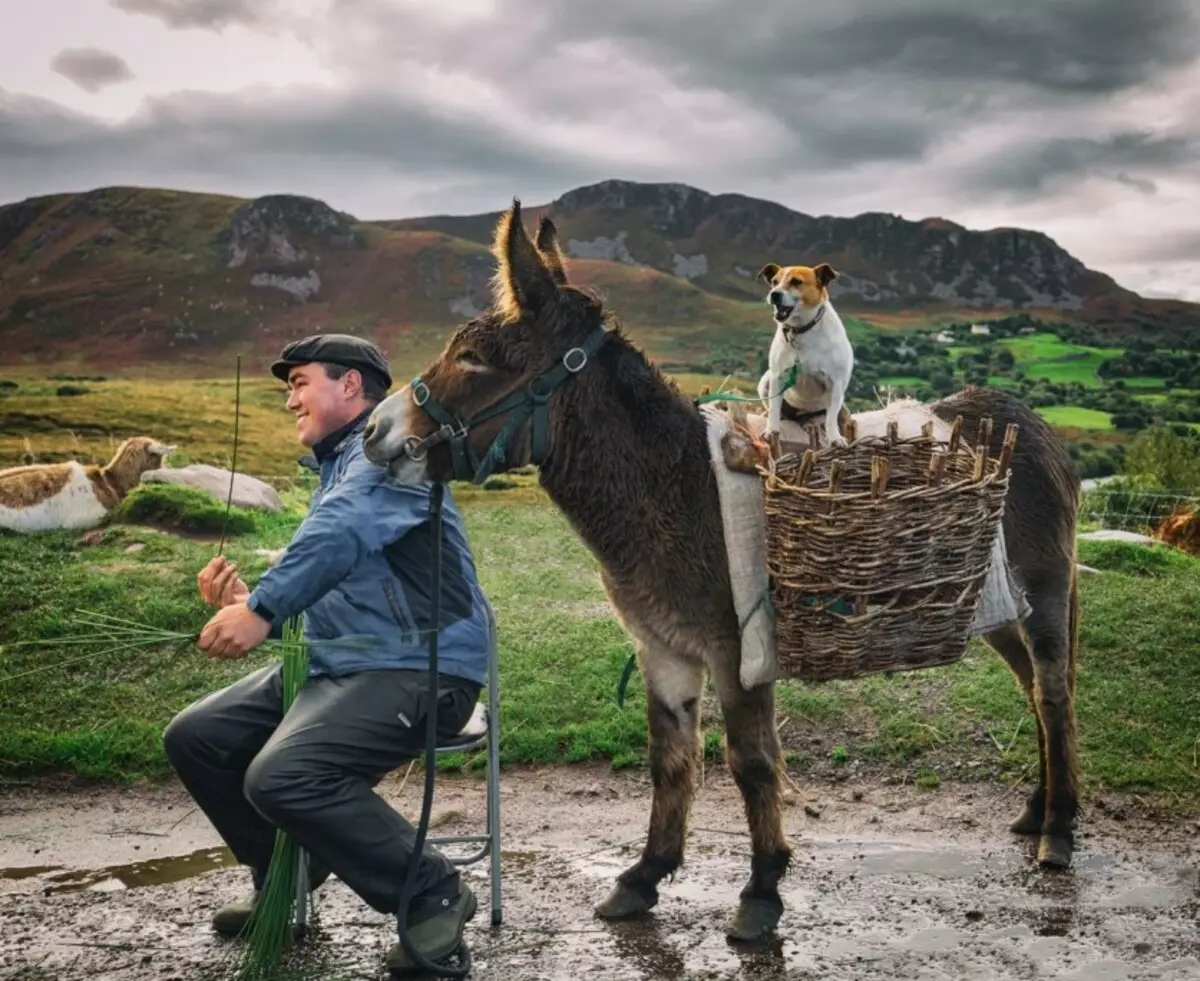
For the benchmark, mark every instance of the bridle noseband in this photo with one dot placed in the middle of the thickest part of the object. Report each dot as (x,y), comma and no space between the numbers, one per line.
(533,401)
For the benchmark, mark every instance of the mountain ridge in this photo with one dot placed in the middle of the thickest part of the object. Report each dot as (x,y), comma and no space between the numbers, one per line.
(121,276)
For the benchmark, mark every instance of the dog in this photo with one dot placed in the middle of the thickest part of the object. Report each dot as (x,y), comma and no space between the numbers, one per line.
(811,336)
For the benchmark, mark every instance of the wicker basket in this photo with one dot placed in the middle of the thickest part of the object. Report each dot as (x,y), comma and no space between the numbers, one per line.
(878,550)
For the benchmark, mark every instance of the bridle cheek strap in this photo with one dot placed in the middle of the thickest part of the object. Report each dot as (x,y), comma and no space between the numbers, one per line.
(531,401)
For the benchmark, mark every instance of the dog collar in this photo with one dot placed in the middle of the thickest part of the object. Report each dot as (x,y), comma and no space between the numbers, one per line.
(790,332)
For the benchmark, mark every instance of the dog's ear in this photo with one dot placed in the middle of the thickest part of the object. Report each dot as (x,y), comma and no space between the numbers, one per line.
(825,274)
(767,272)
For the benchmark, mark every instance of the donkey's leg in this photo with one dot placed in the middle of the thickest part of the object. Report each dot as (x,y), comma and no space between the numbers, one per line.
(673,686)
(1009,642)
(755,759)
(1052,627)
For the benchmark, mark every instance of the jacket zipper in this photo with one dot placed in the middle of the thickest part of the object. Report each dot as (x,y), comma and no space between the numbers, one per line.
(402,621)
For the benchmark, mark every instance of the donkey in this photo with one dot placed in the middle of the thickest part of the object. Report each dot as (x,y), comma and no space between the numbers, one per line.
(544,376)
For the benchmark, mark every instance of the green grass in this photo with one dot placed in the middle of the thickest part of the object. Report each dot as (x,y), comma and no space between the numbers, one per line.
(562,653)
(1047,357)
(1076,417)
(183,509)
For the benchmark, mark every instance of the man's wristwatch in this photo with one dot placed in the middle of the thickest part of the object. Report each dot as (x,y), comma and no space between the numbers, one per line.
(255,605)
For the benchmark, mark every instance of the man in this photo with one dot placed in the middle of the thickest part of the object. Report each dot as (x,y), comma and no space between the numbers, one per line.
(358,570)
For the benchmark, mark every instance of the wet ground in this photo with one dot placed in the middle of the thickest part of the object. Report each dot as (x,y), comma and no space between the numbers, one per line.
(888,883)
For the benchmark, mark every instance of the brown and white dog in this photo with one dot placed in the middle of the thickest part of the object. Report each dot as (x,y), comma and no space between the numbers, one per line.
(809,335)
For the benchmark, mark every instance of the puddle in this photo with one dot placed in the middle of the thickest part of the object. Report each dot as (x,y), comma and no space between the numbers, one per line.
(28,872)
(151,872)
(893,858)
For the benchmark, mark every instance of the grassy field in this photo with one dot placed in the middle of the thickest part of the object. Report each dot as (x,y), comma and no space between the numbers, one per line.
(1076,417)
(1046,356)
(196,415)
(562,653)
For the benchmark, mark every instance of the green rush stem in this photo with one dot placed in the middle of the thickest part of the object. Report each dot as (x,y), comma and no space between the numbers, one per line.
(237,412)
(76,660)
(106,616)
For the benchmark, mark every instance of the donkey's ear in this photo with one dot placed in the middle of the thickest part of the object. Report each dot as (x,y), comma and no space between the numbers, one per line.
(547,243)
(523,284)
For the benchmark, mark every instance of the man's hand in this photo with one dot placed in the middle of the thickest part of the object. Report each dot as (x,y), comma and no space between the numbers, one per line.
(220,585)
(233,632)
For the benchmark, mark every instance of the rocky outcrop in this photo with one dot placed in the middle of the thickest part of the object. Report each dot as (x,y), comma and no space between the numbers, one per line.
(284,228)
(715,240)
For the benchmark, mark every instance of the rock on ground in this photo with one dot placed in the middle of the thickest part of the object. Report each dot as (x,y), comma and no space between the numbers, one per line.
(248,492)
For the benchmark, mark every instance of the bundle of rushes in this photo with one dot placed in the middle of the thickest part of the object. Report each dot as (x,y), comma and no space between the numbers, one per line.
(878,550)
(269,933)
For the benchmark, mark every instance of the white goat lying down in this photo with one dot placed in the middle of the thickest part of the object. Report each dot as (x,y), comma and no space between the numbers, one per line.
(54,496)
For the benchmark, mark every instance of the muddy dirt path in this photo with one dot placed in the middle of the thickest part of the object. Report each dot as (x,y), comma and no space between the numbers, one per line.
(888,883)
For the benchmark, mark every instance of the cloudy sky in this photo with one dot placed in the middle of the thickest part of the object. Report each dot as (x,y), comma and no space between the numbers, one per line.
(1077,117)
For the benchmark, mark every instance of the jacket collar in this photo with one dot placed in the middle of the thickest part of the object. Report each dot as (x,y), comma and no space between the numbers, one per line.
(333,444)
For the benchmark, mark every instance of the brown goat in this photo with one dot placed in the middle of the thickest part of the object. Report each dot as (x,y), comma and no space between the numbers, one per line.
(53,496)
(626,460)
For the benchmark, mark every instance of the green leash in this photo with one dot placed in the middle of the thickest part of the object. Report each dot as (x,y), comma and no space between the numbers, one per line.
(788,381)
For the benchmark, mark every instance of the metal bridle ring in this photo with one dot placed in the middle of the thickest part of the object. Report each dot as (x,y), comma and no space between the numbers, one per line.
(420,392)
(414,448)
(583,360)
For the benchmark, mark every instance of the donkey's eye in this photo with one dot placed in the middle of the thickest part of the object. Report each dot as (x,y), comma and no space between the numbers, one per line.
(471,361)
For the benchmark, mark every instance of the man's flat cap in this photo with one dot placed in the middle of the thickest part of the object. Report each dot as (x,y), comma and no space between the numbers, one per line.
(343,349)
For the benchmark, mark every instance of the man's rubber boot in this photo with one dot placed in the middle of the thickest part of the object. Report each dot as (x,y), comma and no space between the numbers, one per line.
(436,930)
(230,920)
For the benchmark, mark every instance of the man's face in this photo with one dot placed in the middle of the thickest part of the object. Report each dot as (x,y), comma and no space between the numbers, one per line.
(321,404)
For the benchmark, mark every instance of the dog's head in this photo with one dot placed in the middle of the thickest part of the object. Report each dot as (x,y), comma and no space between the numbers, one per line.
(796,288)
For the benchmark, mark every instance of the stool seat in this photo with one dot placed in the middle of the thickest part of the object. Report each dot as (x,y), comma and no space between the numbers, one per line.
(471,736)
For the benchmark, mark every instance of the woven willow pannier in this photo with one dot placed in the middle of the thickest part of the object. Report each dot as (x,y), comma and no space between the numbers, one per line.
(878,550)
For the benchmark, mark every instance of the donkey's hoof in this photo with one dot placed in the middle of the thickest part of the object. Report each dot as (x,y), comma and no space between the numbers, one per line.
(755,919)
(1029,823)
(1055,851)
(625,902)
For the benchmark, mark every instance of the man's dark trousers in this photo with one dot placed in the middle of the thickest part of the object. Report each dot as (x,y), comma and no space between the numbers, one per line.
(312,773)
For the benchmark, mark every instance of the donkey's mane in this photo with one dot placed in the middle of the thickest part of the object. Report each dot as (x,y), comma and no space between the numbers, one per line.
(640,385)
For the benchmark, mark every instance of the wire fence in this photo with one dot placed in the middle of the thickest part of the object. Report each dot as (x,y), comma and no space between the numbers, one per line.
(1132,509)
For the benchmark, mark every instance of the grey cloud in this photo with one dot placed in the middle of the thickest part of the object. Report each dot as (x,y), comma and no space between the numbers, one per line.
(91,68)
(829,88)
(214,14)
(1045,167)
(1089,46)
(856,82)
(1177,247)
(224,135)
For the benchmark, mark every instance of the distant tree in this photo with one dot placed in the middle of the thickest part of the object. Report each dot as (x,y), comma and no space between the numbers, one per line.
(1168,455)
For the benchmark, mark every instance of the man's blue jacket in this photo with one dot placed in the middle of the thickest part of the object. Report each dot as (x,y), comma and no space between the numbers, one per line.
(358,568)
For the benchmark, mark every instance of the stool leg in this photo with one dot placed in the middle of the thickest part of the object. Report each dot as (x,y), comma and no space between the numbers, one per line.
(493,795)
(300,925)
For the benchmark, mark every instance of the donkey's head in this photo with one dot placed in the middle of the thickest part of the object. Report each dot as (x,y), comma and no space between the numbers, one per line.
(490,388)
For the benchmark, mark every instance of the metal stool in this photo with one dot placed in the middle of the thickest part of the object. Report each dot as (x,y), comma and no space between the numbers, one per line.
(481,730)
